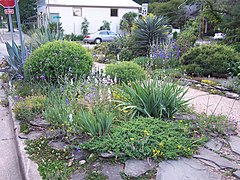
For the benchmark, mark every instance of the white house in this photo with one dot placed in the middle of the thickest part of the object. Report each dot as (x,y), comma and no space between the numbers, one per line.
(72,12)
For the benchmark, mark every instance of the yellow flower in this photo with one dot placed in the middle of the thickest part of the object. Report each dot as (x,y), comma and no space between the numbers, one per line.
(161,144)
(181,121)
(153,150)
(179,147)
(146,132)
(132,139)
(189,149)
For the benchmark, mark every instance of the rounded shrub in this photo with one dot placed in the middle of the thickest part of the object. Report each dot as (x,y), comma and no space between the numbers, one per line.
(125,72)
(57,60)
(214,60)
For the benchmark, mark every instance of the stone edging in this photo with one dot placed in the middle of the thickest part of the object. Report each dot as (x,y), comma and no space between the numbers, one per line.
(29,169)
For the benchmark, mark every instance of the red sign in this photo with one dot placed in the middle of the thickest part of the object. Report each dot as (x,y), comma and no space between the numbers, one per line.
(9,11)
(7,3)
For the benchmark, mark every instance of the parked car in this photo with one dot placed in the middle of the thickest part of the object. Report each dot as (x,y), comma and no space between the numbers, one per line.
(100,36)
(218,36)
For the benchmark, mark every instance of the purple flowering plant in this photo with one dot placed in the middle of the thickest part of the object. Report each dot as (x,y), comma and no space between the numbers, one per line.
(165,54)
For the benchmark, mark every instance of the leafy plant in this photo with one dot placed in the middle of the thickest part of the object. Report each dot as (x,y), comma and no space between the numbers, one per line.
(55,61)
(127,21)
(95,122)
(27,109)
(147,137)
(125,72)
(15,59)
(214,60)
(149,30)
(152,98)
(105,26)
(144,62)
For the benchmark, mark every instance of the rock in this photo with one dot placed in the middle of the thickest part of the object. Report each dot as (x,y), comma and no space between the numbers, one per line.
(234,142)
(110,155)
(80,155)
(185,117)
(33,135)
(82,162)
(58,145)
(198,85)
(57,133)
(237,174)
(231,95)
(185,169)
(135,168)
(40,122)
(221,88)
(112,171)
(214,145)
(215,158)
(78,176)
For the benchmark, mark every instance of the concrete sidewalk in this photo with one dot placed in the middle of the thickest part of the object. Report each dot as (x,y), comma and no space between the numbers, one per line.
(9,161)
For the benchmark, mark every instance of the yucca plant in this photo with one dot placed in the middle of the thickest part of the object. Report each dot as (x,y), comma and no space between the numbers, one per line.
(15,58)
(150,30)
(152,98)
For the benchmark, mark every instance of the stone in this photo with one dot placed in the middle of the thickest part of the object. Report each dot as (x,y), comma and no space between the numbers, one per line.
(57,133)
(136,168)
(82,162)
(80,155)
(185,169)
(78,176)
(231,95)
(33,135)
(185,117)
(40,122)
(234,142)
(215,158)
(214,145)
(58,145)
(112,171)
(221,88)
(237,174)
(110,155)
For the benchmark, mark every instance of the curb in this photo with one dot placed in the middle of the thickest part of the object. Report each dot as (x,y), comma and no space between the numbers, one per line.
(29,169)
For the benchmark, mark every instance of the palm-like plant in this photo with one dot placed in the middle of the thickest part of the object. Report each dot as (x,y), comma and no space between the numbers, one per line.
(150,30)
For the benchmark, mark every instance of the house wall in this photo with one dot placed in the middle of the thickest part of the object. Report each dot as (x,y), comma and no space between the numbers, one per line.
(94,15)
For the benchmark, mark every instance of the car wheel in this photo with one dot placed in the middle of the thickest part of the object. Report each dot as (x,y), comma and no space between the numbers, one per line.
(98,41)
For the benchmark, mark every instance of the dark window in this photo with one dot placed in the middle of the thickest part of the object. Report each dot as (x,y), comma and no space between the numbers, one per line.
(103,33)
(114,12)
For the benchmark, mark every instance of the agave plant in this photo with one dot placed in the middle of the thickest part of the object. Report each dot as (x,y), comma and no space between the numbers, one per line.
(150,30)
(16,58)
(44,35)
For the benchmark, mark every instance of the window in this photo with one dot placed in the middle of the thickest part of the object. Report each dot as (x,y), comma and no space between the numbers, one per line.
(114,12)
(103,33)
(77,12)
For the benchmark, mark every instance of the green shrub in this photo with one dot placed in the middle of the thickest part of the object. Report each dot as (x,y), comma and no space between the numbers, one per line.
(27,109)
(143,61)
(57,60)
(152,98)
(125,72)
(213,60)
(171,72)
(147,137)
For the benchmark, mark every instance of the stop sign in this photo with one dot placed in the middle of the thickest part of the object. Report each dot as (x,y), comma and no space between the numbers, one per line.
(7,3)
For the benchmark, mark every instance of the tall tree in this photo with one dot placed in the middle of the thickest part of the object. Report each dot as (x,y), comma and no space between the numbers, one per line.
(27,8)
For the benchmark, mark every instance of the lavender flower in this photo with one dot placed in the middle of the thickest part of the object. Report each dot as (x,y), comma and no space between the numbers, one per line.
(67,101)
